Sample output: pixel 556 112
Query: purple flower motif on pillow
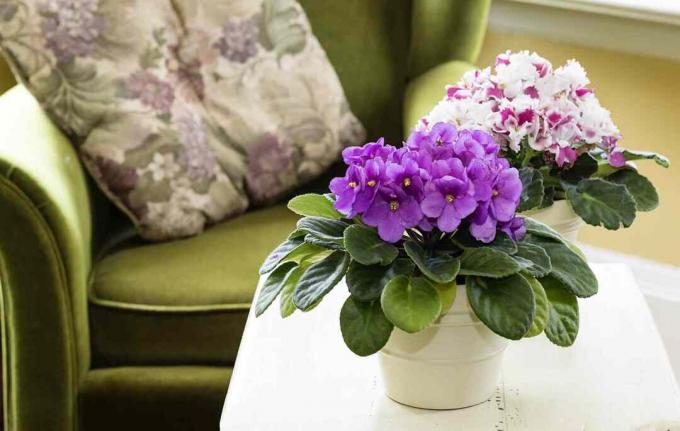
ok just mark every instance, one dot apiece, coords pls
pixel 150 90
pixel 239 40
pixel 70 27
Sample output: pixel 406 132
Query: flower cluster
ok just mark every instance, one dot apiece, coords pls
pixel 442 178
pixel 526 100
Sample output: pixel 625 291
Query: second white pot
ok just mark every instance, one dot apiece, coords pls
pixel 455 363
pixel 560 217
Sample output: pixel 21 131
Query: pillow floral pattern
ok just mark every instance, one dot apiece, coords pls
pixel 185 111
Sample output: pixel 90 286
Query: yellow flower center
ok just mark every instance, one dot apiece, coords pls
pixel 352 184
pixel 407 182
pixel 495 193
pixel 449 198
pixel 370 183
pixel 394 205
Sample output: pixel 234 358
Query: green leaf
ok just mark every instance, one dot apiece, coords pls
pixel 542 308
pixel 548 197
pixel 367 248
pixel 533 259
pixel 366 283
pixel 440 269
pixel 584 166
pixel 464 239
pixel 602 203
pixel 272 286
pixel 640 188
pixel 487 262
pixel 312 204
pixel 562 326
pixel 323 229
pixel 319 279
pixel 505 305
pixel 568 267
pixel 303 252
pixel 364 326
pixel 532 189
pixel 412 304
pixel 286 296
pixel 281 251
pixel 447 294
pixel 541 229
pixel 660 159
pixel 311 239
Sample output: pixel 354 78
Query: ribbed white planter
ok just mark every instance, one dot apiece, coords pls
pixel 560 217
pixel 455 363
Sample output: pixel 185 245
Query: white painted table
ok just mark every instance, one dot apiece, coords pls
pixel 297 374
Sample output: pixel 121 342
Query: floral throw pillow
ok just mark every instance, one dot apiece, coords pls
pixel 185 111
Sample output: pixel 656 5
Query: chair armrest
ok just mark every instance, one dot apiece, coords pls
pixel 423 92
pixel 446 30
pixel 45 247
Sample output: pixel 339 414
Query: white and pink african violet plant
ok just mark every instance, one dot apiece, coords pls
pixel 551 127
pixel 405 226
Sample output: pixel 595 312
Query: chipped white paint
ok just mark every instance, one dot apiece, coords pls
pixel 296 374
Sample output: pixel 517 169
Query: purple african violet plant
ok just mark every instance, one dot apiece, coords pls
pixel 441 178
pixel 405 226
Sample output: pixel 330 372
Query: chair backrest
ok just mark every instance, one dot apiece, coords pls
pixel 367 42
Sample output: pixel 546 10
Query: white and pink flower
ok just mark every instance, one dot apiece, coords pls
pixel 524 100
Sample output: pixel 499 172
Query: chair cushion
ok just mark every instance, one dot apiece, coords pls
pixel 183 398
pixel 185 301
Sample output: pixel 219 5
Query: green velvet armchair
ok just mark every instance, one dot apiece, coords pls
pixel 100 334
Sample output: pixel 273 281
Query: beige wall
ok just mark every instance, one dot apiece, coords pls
pixel 643 95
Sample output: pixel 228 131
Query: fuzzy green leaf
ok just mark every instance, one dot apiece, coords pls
pixel 487 262
pixel 312 204
pixel 411 304
pixel 319 279
pixel 272 286
pixel 364 326
pixel 568 267
pixel 533 259
pixel 602 203
pixel 640 188
pixel 532 189
pixel 367 248
pixel 542 308
pixel 563 320
pixel 366 283
pixel 505 305
pixel 660 159
pixel 440 269
pixel 281 251
pixel 323 229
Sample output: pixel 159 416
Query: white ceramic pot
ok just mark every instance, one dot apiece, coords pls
pixel 560 217
pixel 455 363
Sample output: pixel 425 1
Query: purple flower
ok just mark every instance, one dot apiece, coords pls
pixel 392 212
pixel 505 195
pixel 239 40
pixel 406 174
pixel 514 228
pixel 71 27
pixel 356 190
pixel 439 179
pixel 449 200
pixel 150 90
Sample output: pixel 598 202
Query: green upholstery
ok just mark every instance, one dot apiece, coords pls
pixel 423 92
pixel 154 347
pixel 186 301
pixel 170 398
